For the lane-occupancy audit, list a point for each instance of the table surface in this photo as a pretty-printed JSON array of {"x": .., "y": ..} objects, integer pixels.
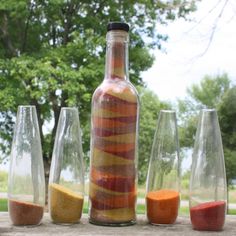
[{"x": 181, "y": 227}]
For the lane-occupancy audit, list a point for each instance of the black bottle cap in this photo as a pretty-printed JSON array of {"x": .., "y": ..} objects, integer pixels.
[{"x": 118, "y": 26}]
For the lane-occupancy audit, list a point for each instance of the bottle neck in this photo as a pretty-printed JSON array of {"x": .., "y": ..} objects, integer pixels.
[{"x": 117, "y": 55}]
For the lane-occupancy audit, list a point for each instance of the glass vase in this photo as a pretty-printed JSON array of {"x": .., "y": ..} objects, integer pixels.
[
  {"x": 66, "y": 180},
  {"x": 163, "y": 180},
  {"x": 208, "y": 189},
  {"x": 26, "y": 183}
]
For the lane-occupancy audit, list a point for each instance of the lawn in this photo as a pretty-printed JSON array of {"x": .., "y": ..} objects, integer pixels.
[{"x": 3, "y": 204}]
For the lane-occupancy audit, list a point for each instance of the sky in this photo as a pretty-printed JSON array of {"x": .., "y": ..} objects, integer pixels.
[{"x": 187, "y": 60}]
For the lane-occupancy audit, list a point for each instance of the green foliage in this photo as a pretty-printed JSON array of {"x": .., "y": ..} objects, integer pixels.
[
  {"x": 52, "y": 55},
  {"x": 212, "y": 92},
  {"x": 150, "y": 107},
  {"x": 227, "y": 119},
  {"x": 185, "y": 180},
  {"x": 207, "y": 94},
  {"x": 3, "y": 181}
]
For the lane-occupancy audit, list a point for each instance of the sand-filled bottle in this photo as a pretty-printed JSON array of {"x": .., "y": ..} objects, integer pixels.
[
  {"x": 26, "y": 181},
  {"x": 66, "y": 180},
  {"x": 114, "y": 127},
  {"x": 163, "y": 180},
  {"x": 208, "y": 189}
]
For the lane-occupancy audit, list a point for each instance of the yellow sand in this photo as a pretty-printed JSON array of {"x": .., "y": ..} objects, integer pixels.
[
  {"x": 101, "y": 158},
  {"x": 121, "y": 138},
  {"x": 65, "y": 205},
  {"x": 115, "y": 215},
  {"x": 103, "y": 113},
  {"x": 122, "y": 92}
]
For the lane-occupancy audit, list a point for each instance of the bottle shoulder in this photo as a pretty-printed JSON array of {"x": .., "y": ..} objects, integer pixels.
[{"x": 118, "y": 88}]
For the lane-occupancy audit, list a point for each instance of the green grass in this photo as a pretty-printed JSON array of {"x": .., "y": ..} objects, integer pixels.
[
  {"x": 184, "y": 211},
  {"x": 141, "y": 209},
  {"x": 141, "y": 194},
  {"x": 3, "y": 205},
  {"x": 232, "y": 212}
]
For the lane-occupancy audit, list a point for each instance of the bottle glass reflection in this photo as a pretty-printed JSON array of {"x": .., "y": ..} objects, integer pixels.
[
  {"x": 208, "y": 180},
  {"x": 26, "y": 184},
  {"x": 66, "y": 181},
  {"x": 162, "y": 195}
]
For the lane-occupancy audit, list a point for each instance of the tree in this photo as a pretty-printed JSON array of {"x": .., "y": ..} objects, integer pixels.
[
  {"x": 207, "y": 94},
  {"x": 227, "y": 118},
  {"x": 52, "y": 55},
  {"x": 150, "y": 108},
  {"x": 210, "y": 91},
  {"x": 213, "y": 92}
]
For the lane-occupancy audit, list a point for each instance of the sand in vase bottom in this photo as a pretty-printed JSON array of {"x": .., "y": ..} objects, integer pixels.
[
  {"x": 25, "y": 213},
  {"x": 121, "y": 216},
  {"x": 162, "y": 206},
  {"x": 65, "y": 205},
  {"x": 208, "y": 216}
]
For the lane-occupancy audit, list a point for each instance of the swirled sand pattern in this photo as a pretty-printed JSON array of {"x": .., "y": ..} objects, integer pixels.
[{"x": 113, "y": 170}]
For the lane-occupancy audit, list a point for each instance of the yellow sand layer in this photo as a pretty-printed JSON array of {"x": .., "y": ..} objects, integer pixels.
[
  {"x": 100, "y": 158},
  {"x": 65, "y": 205},
  {"x": 99, "y": 112},
  {"x": 122, "y": 93},
  {"x": 121, "y": 138},
  {"x": 115, "y": 215}
]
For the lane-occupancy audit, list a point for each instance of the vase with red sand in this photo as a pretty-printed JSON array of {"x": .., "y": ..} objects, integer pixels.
[{"x": 208, "y": 198}]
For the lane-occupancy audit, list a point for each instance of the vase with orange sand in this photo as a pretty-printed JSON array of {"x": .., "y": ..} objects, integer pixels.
[{"x": 162, "y": 194}]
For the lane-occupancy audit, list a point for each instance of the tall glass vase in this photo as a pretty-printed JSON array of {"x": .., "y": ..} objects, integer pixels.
[
  {"x": 66, "y": 180},
  {"x": 208, "y": 189},
  {"x": 26, "y": 183},
  {"x": 163, "y": 181},
  {"x": 114, "y": 131}
]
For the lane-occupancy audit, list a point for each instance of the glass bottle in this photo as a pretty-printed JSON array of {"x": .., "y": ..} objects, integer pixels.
[
  {"x": 114, "y": 131},
  {"x": 26, "y": 182},
  {"x": 208, "y": 189},
  {"x": 66, "y": 180},
  {"x": 163, "y": 180}
]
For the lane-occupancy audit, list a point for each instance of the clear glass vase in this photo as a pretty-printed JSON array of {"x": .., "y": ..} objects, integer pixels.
[
  {"x": 114, "y": 131},
  {"x": 208, "y": 189},
  {"x": 163, "y": 180},
  {"x": 66, "y": 180},
  {"x": 26, "y": 183}
]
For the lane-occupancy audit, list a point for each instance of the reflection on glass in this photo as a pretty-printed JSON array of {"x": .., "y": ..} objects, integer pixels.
[
  {"x": 162, "y": 197},
  {"x": 26, "y": 183},
  {"x": 66, "y": 181},
  {"x": 208, "y": 179}
]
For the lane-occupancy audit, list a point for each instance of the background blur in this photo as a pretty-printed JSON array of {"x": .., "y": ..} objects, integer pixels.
[{"x": 52, "y": 54}]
